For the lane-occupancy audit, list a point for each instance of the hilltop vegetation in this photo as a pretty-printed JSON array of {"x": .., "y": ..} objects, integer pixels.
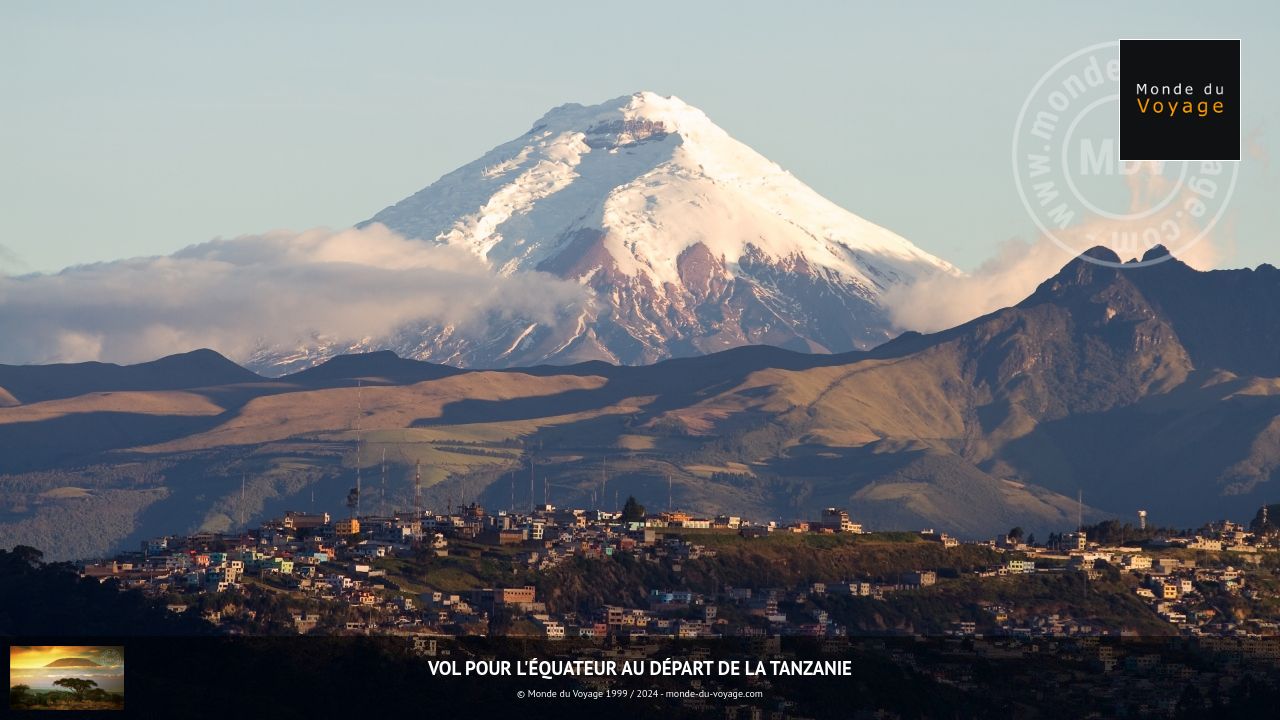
[
  {"x": 1109, "y": 603},
  {"x": 52, "y": 600},
  {"x": 780, "y": 560}
]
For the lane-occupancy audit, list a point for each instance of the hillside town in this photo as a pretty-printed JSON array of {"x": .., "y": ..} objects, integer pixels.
[{"x": 357, "y": 575}]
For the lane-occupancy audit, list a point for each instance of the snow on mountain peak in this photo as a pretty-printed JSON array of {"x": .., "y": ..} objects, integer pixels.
[
  {"x": 674, "y": 114},
  {"x": 653, "y": 176},
  {"x": 685, "y": 240}
]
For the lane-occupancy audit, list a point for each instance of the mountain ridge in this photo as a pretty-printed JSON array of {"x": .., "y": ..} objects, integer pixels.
[
  {"x": 1105, "y": 382},
  {"x": 196, "y": 368}
]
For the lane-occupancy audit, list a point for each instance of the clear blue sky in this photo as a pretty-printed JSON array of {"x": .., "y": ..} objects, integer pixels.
[{"x": 133, "y": 128}]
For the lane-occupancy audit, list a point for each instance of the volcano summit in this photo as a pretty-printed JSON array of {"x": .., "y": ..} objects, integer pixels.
[{"x": 686, "y": 242}]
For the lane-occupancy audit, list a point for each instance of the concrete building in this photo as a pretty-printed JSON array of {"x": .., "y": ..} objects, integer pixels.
[{"x": 837, "y": 520}]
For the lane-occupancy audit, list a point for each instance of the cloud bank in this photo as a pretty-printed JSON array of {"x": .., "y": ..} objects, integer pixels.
[
  {"x": 944, "y": 301},
  {"x": 276, "y": 290}
]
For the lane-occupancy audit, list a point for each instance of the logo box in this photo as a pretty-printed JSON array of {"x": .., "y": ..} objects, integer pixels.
[{"x": 1179, "y": 99}]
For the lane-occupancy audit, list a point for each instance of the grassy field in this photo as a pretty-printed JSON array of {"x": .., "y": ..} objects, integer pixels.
[
  {"x": 778, "y": 561},
  {"x": 467, "y": 567},
  {"x": 62, "y": 700}
]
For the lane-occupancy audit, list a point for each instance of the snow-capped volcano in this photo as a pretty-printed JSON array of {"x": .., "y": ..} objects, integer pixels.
[{"x": 687, "y": 240}]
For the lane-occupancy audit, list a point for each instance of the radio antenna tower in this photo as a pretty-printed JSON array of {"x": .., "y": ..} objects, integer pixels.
[
  {"x": 242, "y": 474},
  {"x": 417, "y": 489},
  {"x": 382, "y": 500},
  {"x": 1079, "y": 510}
]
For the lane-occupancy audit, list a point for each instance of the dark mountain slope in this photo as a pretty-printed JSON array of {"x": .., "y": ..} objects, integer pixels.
[
  {"x": 382, "y": 367},
  {"x": 195, "y": 369}
]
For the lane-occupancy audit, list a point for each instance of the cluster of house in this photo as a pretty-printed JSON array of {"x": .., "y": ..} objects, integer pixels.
[
  {"x": 1179, "y": 592},
  {"x": 1054, "y": 625},
  {"x": 1173, "y": 585},
  {"x": 337, "y": 560},
  {"x": 670, "y": 614}
]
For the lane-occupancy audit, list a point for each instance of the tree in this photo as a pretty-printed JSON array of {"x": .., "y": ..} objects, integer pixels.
[
  {"x": 632, "y": 511},
  {"x": 77, "y": 685},
  {"x": 1031, "y": 539},
  {"x": 1266, "y": 520},
  {"x": 16, "y": 694},
  {"x": 22, "y": 557},
  {"x": 28, "y": 554}
]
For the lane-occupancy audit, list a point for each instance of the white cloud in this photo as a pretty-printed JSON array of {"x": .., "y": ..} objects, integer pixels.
[
  {"x": 944, "y": 301},
  {"x": 276, "y": 289}
]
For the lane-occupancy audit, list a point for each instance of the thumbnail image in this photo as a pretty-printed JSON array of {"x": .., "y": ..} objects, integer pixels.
[{"x": 66, "y": 677}]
